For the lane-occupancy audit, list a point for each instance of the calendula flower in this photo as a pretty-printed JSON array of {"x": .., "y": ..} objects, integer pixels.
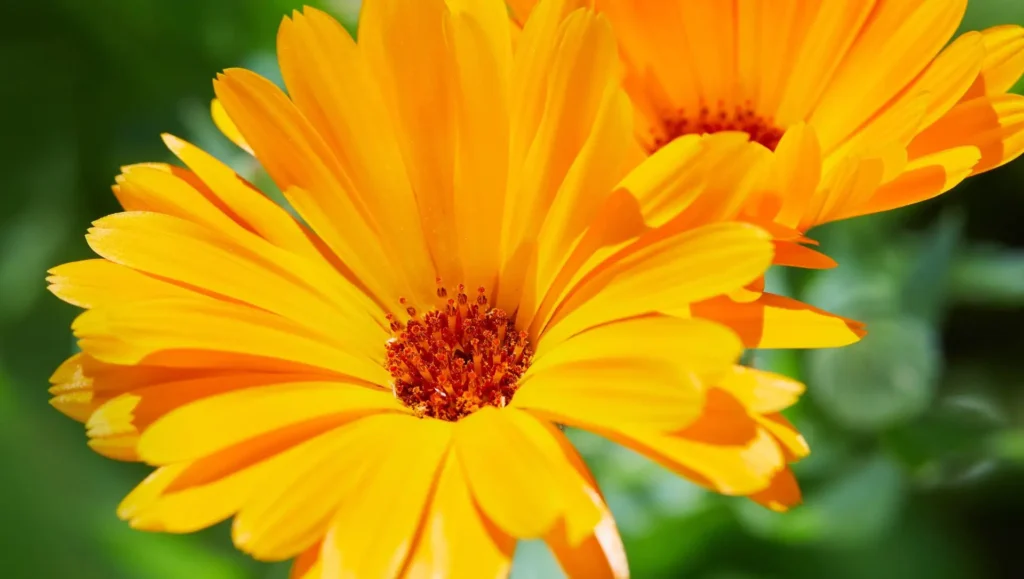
[
  {"x": 376, "y": 390},
  {"x": 863, "y": 101},
  {"x": 857, "y": 106}
]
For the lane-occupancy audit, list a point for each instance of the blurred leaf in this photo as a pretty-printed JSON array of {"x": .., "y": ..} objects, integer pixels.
[
  {"x": 159, "y": 556},
  {"x": 924, "y": 290},
  {"x": 887, "y": 378},
  {"x": 988, "y": 276},
  {"x": 831, "y": 448},
  {"x": 949, "y": 445},
  {"x": 1009, "y": 445},
  {"x": 673, "y": 546},
  {"x": 855, "y": 291},
  {"x": 851, "y": 509}
]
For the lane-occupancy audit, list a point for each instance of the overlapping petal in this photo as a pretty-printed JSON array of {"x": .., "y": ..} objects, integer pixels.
[{"x": 244, "y": 352}]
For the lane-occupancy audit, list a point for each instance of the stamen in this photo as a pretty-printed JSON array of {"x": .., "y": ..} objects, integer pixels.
[
  {"x": 743, "y": 118},
  {"x": 448, "y": 363}
]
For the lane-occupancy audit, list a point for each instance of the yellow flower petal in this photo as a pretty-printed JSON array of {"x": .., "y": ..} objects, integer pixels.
[
  {"x": 372, "y": 536},
  {"x": 254, "y": 210},
  {"x": 227, "y": 126},
  {"x": 330, "y": 83},
  {"x": 457, "y": 540},
  {"x": 949, "y": 75},
  {"x": 995, "y": 125},
  {"x": 798, "y": 160},
  {"x": 1004, "y": 61},
  {"x": 171, "y": 248},
  {"x": 729, "y": 469},
  {"x": 831, "y": 29},
  {"x": 910, "y": 34},
  {"x": 774, "y": 321},
  {"x": 482, "y": 58},
  {"x": 293, "y": 511},
  {"x": 406, "y": 46},
  {"x": 924, "y": 178},
  {"x": 664, "y": 273},
  {"x": 570, "y": 101},
  {"x": 97, "y": 282},
  {"x": 151, "y": 508},
  {"x": 518, "y": 474},
  {"x": 188, "y": 496},
  {"x": 599, "y": 552},
  {"x": 782, "y": 494},
  {"x": 761, "y": 391},
  {"x": 668, "y": 181},
  {"x": 307, "y": 565},
  {"x": 305, "y": 168},
  {"x": 645, "y": 371},
  {"x": 134, "y": 411},
  {"x": 72, "y": 389},
  {"x": 159, "y": 188},
  {"x": 156, "y": 331},
  {"x": 717, "y": 176},
  {"x": 792, "y": 443},
  {"x": 211, "y": 424}
]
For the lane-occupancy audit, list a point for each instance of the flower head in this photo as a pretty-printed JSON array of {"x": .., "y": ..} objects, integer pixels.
[
  {"x": 866, "y": 104},
  {"x": 376, "y": 390}
]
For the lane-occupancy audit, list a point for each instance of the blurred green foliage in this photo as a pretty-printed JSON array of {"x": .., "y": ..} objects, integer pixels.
[{"x": 917, "y": 432}]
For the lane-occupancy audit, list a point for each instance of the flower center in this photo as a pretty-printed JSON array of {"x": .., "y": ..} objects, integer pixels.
[
  {"x": 708, "y": 120},
  {"x": 450, "y": 362}
]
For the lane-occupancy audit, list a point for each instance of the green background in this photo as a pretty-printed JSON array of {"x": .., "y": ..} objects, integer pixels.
[{"x": 917, "y": 432}]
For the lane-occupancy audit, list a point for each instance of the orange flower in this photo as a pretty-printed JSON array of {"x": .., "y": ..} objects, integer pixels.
[
  {"x": 864, "y": 104},
  {"x": 376, "y": 390}
]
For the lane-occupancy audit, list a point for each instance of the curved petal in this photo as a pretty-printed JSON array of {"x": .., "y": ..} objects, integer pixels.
[
  {"x": 211, "y": 424},
  {"x": 153, "y": 331},
  {"x": 761, "y": 391},
  {"x": 1003, "y": 64},
  {"x": 519, "y": 475},
  {"x": 81, "y": 384},
  {"x": 307, "y": 565},
  {"x": 125, "y": 416},
  {"x": 910, "y": 34},
  {"x": 567, "y": 139},
  {"x": 373, "y": 536},
  {"x": 923, "y": 178},
  {"x": 782, "y": 494},
  {"x": 482, "y": 54},
  {"x": 227, "y": 126},
  {"x": 330, "y": 83},
  {"x": 663, "y": 272},
  {"x": 457, "y": 539},
  {"x": 600, "y": 552},
  {"x": 242, "y": 201},
  {"x": 304, "y": 167},
  {"x": 295, "y": 510},
  {"x": 645, "y": 371},
  {"x": 96, "y": 283},
  {"x": 285, "y": 284},
  {"x": 731, "y": 469},
  {"x": 187, "y": 496},
  {"x": 994, "y": 125},
  {"x": 792, "y": 443},
  {"x": 773, "y": 321},
  {"x": 406, "y": 46}
]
